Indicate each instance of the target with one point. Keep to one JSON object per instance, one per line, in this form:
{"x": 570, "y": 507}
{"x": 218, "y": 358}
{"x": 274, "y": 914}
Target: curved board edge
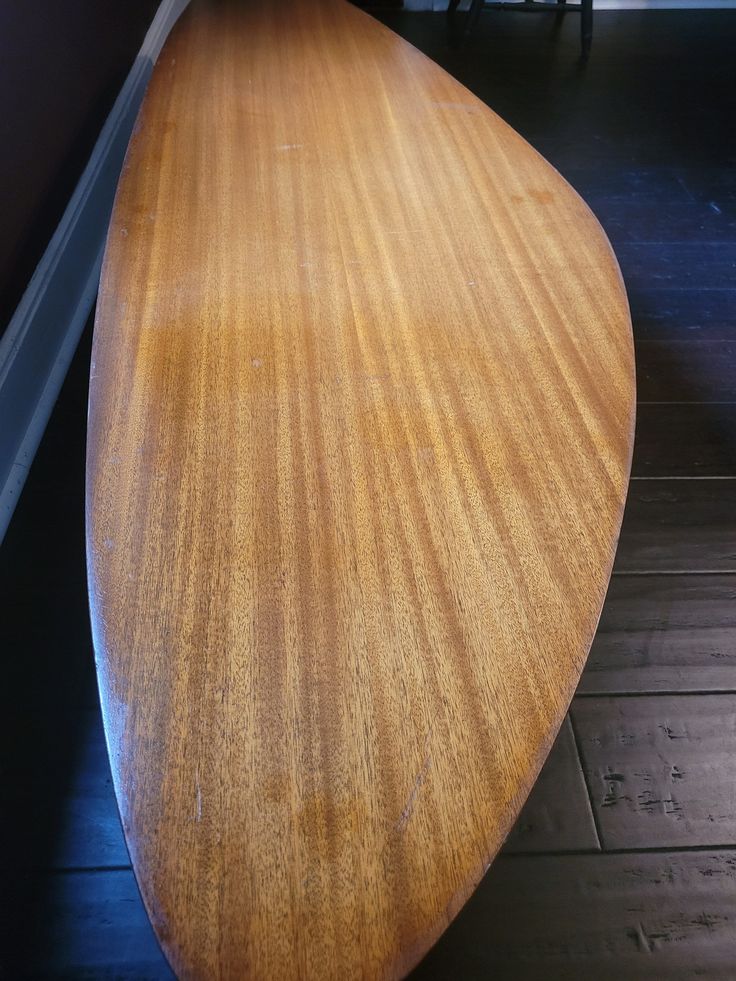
{"x": 406, "y": 955}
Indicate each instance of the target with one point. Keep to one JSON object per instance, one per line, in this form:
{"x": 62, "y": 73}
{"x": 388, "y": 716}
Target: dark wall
{"x": 62, "y": 63}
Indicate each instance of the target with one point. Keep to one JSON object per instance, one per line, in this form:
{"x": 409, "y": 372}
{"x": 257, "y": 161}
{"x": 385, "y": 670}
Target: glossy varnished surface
{"x": 360, "y": 426}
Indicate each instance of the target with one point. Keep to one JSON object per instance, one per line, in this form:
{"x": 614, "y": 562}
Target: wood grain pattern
{"x": 665, "y": 633}
{"x": 556, "y": 817}
{"x": 662, "y": 770}
{"x": 361, "y": 416}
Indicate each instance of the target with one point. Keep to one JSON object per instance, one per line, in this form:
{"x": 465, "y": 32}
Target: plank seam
{"x": 593, "y": 813}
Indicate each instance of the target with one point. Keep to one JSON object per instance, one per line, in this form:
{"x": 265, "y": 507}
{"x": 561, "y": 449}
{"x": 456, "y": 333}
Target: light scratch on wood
{"x": 417, "y": 786}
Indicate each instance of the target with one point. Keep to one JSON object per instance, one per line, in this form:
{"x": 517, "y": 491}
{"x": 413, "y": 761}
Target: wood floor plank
{"x": 661, "y": 769}
{"x": 680, "y": 265}
{"x": 709, "y": 192}
{"x": 44, "y": 627}
{"x": 91, "y": 834}
{"x": 666, "y": 915}
{"x": 55, "y": 628}
{"x": 674, "y": 314}
{"x": 85, "y": 926}
{"x": 660, "y": 204}
{"x": 664, "y": 634}
{"x": 557, "y": 816}
{"x": 646, "y": 221}
{"x": 679, "y": 526}
{"x": 694, "y": 440}
{"x": 714, "y": 183}
{"x": 58, "y": 800}
{"x": 637, "y": 917}
{"x": 686, "y": 371}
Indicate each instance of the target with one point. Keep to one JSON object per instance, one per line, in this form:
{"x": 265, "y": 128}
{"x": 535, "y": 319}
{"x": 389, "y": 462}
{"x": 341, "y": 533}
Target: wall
{"x": 61, "y": 67}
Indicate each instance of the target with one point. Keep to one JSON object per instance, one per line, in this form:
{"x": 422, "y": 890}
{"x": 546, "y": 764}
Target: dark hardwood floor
{"x": 623, "y": 863}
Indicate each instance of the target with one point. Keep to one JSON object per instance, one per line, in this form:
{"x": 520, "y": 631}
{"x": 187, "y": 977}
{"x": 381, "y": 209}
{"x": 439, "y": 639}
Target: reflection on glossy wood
{"x": 360, "y": 426}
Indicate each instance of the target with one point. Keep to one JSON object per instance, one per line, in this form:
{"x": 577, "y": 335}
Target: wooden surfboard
{"x": 361, "y": 418}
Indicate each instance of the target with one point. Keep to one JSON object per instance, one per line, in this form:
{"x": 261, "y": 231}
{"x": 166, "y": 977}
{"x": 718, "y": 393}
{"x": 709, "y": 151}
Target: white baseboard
{"x": 40, "y": 340}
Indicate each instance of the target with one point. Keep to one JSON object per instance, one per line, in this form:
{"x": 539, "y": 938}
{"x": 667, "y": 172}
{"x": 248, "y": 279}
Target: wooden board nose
{"x": 361, "y": 418}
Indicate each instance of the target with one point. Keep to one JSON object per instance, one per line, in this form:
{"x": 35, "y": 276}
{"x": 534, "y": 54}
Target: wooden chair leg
{"x": 586, "y": 28}
{"x": 473, "y": 14}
